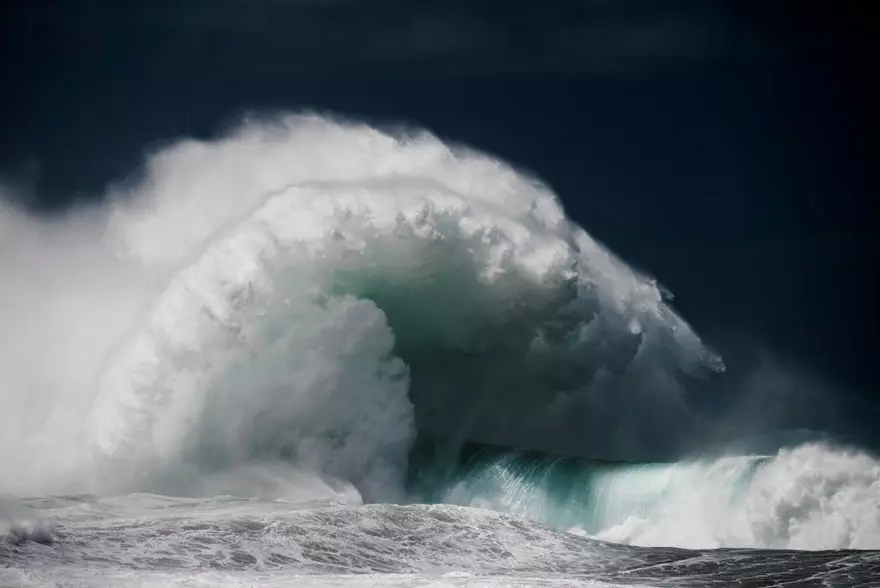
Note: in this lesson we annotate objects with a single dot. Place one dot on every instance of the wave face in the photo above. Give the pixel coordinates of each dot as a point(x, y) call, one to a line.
point(808, 497)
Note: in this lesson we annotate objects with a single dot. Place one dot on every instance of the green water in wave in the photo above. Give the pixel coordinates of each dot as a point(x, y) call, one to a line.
point(569, 492)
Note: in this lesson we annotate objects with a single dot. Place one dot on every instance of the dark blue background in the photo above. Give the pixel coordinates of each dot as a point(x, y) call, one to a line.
point(724, 147)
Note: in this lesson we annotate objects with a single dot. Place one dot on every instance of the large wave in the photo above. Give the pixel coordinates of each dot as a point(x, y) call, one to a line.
point(279, 311)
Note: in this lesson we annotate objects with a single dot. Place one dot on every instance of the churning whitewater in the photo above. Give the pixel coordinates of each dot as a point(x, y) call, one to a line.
point(283, 315)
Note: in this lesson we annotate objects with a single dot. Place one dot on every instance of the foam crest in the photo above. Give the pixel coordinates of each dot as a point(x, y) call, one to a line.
point(191, 189)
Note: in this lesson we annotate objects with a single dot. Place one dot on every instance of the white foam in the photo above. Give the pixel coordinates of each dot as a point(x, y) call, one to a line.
point(810, 497)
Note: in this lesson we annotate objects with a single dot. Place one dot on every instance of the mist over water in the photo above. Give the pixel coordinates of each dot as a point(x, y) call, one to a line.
point(281, 311)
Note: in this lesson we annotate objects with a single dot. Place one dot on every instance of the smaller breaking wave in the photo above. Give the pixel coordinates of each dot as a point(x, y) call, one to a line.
point(808, 497)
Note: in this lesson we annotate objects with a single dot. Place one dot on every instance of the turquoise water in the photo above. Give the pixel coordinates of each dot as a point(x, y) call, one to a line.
point(569, 492)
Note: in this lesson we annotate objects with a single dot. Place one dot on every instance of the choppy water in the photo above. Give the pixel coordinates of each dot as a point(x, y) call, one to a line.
point(146, 539)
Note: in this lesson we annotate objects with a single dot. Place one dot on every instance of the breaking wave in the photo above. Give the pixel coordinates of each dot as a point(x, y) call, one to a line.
point(808, 497)
point(281, 311)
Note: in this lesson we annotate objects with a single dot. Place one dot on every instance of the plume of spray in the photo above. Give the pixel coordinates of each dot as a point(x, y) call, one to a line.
point(65, 302)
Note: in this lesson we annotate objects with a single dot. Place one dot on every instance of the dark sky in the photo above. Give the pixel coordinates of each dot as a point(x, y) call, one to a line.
point(723, 147)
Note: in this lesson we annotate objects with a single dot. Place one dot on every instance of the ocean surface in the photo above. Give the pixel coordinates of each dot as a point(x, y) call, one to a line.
point(314, 352)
